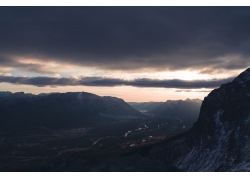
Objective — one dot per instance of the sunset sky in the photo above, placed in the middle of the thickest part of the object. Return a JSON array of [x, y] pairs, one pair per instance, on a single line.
[[136, 53]]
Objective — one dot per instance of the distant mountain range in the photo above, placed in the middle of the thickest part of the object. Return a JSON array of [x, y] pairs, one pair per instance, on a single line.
[[218, 141], [146, 106], [76, 108], [59, 109], [156, 107], [187, 110]]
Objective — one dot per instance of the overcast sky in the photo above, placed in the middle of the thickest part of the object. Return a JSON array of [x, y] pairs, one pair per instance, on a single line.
[[135, 53]]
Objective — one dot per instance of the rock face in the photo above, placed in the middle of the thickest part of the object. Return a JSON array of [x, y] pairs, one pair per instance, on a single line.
[[218, 141]]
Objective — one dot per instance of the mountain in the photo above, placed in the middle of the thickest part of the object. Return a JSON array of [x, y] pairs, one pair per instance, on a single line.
[[60, 109], [163, 108], [145, 106], [179, 108], [218, 141], [187, 110]]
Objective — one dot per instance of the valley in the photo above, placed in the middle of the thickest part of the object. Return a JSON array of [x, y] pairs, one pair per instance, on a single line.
[[22, 148]]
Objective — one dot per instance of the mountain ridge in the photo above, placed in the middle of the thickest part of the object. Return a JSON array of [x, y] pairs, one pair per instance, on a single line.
[[55, 108], [187, 110]]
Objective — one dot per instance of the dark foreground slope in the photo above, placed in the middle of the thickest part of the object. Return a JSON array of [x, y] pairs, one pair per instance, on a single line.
[[59, 109], [218, 141]]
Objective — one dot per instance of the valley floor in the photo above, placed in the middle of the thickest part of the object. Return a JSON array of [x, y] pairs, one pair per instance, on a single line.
[[35, 148]]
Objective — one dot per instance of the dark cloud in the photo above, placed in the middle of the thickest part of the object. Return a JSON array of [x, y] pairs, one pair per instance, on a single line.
[[99, 81], [129, 38], [31, 67]]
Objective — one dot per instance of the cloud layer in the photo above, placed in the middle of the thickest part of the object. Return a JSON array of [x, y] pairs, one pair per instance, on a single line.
[[127, 38], [99, 81]]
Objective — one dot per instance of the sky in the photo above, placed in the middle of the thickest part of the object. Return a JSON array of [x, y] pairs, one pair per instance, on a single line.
[[138, 54]]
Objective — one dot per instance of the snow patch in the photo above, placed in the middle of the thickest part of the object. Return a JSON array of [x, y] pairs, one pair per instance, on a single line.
[[217, 117]]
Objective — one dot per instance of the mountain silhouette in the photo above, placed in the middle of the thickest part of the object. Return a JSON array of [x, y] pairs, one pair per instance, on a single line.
[[59, 109]]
